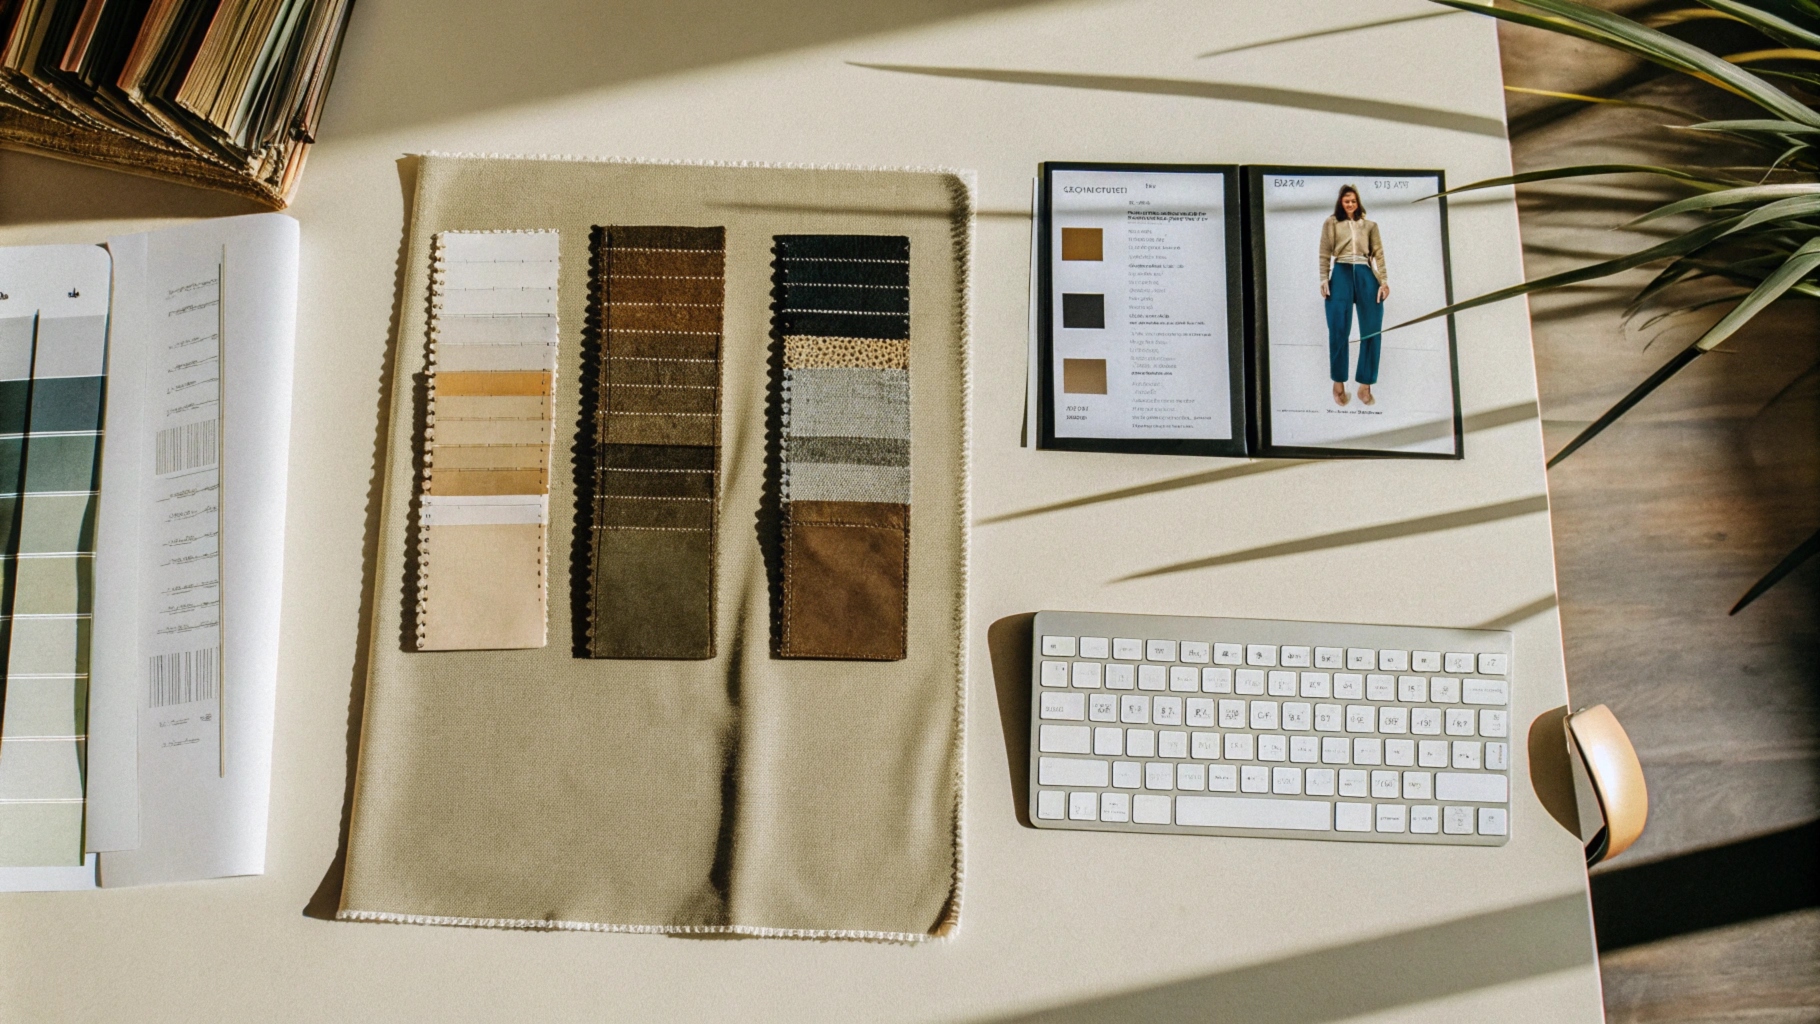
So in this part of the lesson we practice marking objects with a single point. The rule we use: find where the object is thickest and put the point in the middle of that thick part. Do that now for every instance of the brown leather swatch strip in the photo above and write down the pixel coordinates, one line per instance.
(846, 580)
(657, 294)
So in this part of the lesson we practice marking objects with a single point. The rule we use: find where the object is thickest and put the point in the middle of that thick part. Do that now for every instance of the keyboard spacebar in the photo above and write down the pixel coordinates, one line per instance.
(1240, 812)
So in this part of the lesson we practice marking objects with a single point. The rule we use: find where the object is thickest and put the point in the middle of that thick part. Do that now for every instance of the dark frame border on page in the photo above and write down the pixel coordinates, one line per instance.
(1232, 447)
(1259, 297)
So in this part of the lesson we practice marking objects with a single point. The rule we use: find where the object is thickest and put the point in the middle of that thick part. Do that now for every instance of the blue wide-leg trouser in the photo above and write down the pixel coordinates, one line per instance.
(1353, 284)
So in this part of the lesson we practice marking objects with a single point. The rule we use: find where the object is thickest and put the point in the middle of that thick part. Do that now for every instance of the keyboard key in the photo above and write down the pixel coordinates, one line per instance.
(1465, 755)
(1232, 714)
(1083, 806)
(1361, 659)
(1240, 746)
(1191, 776)
(1304, 749)
(1444, 690)
(1260, 654)
(1329, 657)
(1425, 819)
(1254, 779)
(1102, 707)
(1394, 721)
(1249, 681)
(1380, 687)
(1170, 743)
(1158, 775)
(1492, 820)
(1361, 718)
(1159, 650)
(1418, 785)
(1070, 771)
(1384, 785)
(1352, 817)
(1390, 817)
(1204, 745)
(1485, 691)
(1140, 742)
(1412, 689)
(1318, 781)
(1393, 661)
(1150, 810)
(1095, 646)
(1228, 654)
(1425, 721)
(1424, 661)
(1184, 680)
(1127, 649)
(1058, 646)
(1065, 739)
(1457, 821)
(1367, 750)
(1478, 788)
(1273, 747)
(1282, 684)
(1348, 685)
(1286, 781)
(1497, 756)
(1055, 673)
(1197, 652)
(1298, 716)
(1152, 677)
(1353, 782)
(1200, 711)
(1068, 707)
(1051, 804)
(1166, 711)
(1222, 778)
(1494, 665)
(1263, 714)
(1494, 723)
(1109, 741)
(1237, 812)
(1460, 662)
(1115, 807)
(1296, 657)
(1086, 675)
(1328, 717)
(1127, 774)
(1317, 684)
(1121, 677)
(1336, 750)
(1459, 723)
(1216, 680)
(1432, 753)
(1401, 753)
(1133, 710)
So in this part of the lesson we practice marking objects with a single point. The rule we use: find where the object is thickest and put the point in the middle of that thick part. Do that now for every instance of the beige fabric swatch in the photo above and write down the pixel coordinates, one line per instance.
(744, 794)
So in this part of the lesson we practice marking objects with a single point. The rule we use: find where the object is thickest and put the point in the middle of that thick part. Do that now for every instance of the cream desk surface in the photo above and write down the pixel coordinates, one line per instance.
(1054, 925)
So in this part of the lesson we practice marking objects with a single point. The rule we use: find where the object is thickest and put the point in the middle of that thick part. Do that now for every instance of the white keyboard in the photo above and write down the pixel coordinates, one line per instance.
(1259, 727)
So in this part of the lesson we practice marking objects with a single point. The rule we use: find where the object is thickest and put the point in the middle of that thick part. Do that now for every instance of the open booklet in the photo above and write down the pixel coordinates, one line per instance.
(144, 573)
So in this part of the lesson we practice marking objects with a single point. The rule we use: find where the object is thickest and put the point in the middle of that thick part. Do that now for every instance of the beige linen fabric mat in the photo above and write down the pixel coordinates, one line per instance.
(744, 794)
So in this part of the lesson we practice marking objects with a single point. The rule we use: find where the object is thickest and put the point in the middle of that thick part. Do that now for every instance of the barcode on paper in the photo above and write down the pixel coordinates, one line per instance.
(183, 677)
(190, 446)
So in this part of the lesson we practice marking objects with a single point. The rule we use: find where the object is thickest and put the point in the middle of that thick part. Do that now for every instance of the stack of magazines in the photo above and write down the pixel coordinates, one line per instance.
(225, 94)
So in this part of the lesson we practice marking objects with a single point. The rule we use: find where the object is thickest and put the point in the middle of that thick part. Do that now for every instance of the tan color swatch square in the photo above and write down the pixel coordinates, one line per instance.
(1084, 376)
(1083, 244)
(483, 588)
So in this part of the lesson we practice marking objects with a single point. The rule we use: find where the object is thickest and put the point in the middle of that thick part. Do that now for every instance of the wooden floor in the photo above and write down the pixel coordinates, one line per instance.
(1660, 525)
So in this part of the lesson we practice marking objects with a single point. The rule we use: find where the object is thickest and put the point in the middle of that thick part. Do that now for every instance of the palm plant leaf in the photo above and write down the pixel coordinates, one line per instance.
(1729, 197)
(1777, 53)
(1790, 562)
(1637, 394)
(1782, 209)
(1772, 25)
(1699, 178)
(1581, 98)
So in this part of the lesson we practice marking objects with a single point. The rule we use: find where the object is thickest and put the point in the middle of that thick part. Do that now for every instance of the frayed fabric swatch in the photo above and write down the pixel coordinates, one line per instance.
(843, 315)
(485, 508)
(657, 295)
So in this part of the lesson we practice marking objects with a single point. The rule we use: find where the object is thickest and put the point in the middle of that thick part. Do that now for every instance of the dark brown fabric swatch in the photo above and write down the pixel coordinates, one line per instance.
(846, 580)
(657, 297)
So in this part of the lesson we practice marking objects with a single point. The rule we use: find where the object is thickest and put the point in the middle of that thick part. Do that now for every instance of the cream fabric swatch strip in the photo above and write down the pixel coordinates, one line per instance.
(484, 513)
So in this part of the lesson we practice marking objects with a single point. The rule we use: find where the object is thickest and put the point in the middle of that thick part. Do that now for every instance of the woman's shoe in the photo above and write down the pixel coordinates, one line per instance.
(1340, 396)
(1365, 395)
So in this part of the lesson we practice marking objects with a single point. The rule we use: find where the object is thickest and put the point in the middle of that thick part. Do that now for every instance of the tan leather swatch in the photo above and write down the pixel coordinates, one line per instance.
(459, 482)
(493, 383)
(846, 580)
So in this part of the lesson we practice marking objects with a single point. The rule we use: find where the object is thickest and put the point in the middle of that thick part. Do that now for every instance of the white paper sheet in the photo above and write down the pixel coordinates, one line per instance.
(190, 549)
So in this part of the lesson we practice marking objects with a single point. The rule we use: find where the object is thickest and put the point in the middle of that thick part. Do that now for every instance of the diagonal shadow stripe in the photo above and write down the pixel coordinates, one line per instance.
(1516, 615)
(1371, 976)
(1502, 416)
(1342, 30)
(1362, 535)
(1379, 110)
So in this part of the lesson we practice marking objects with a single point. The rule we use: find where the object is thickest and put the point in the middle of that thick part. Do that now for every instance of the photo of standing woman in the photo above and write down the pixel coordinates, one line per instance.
(1353, 275)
